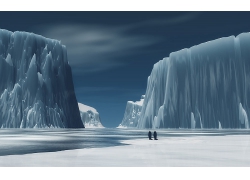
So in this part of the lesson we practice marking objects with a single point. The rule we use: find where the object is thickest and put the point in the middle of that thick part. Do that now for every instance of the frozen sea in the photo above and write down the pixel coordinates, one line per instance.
(106, 147)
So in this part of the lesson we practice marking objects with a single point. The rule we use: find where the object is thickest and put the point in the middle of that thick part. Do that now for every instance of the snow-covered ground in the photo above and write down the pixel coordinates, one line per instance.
(124, 148)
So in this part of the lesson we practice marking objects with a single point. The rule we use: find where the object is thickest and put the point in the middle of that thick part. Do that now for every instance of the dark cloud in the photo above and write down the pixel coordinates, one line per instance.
(93, 48)
(172, 20)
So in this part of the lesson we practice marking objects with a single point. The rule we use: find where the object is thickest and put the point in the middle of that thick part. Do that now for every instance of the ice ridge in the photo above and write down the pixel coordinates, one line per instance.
(205, 86)
(36, 87)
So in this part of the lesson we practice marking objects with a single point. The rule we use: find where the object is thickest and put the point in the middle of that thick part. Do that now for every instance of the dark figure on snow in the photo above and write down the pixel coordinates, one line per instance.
(149, 135)
(155, 135)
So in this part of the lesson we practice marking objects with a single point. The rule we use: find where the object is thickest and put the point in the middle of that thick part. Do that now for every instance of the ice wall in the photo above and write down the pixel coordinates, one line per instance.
(36, 87)
(205, 86)
(132, 114)
(90, 117)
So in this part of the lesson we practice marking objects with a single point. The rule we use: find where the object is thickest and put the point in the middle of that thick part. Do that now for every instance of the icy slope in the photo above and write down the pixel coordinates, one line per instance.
(90, 117)
(205, 86)
(36, 88)
(132, 113)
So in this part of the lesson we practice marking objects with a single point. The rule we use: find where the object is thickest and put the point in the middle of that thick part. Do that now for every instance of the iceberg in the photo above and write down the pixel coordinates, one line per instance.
(89, 116)
(132, 114)
(36, 87)
(205, 86)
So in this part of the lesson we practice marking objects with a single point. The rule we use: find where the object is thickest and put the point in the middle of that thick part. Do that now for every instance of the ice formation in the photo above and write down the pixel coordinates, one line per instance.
(90, 117)
(36, 87)
(132, 113)
(205, 86)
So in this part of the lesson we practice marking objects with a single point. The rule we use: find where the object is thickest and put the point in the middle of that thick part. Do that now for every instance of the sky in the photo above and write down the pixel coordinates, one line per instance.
(112, 53)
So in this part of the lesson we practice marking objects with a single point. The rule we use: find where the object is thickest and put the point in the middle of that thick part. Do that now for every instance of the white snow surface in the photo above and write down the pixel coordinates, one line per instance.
(140, 103)
(197, 150)
(85, 108)
(89, 116)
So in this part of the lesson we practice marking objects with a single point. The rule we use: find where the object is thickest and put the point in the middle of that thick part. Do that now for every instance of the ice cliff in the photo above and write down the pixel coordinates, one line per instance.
(205, 86)
(36, 87)
(90, 117)
(132, 113)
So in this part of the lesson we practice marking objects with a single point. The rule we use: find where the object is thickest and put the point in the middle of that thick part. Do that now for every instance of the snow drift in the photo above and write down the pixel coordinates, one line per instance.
(205, 86)
(90, 117)
(36, 87)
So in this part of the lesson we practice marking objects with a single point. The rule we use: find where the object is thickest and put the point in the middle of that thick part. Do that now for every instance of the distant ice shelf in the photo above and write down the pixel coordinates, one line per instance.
(205, 86)
(132, 114)
(36, 87)
(90, 117)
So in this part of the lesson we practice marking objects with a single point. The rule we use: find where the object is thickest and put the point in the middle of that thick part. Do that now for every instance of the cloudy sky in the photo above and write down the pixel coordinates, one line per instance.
(113, 53)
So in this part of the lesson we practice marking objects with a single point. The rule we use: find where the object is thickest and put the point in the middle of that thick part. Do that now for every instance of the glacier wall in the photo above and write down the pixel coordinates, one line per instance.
(205, 86)
(36, 87)
(89, 116)
(132, 113)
